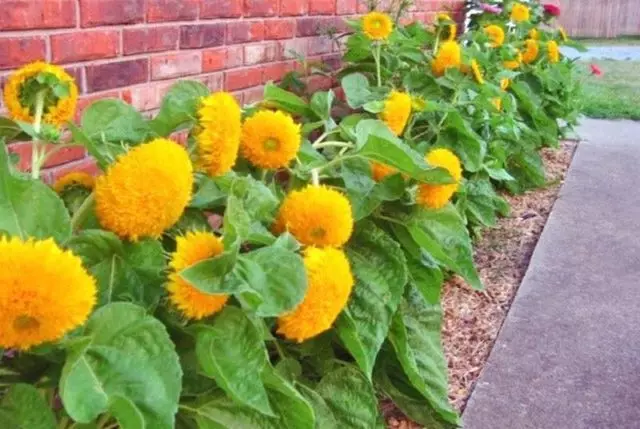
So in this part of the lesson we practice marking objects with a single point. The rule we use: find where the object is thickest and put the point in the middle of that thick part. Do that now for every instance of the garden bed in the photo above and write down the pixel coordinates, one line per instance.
(472, 319)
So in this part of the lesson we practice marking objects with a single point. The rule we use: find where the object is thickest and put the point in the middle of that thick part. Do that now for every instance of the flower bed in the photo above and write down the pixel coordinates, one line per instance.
(284, 268)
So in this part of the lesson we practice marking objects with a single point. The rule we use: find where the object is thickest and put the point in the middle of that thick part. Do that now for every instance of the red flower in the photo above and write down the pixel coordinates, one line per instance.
(552, 9)
(595, 70)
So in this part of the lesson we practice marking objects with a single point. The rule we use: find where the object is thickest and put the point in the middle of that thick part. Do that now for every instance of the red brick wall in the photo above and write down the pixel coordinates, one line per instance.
(136, 49)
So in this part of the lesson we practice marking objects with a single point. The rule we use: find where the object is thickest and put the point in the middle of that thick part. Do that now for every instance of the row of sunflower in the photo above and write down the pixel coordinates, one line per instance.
(283, 267)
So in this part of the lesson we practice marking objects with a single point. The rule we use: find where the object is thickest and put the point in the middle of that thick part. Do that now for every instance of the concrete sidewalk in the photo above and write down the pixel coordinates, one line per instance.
(631, 52)
(568, 356)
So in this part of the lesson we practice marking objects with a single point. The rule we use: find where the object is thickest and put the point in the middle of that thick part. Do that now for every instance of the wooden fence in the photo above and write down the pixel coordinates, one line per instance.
(601, 18)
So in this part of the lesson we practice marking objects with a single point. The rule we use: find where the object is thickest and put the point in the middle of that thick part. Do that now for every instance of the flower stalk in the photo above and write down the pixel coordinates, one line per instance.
(36, 156)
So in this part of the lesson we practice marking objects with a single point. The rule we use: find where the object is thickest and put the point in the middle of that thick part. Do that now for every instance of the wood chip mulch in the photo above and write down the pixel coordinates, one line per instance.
(472, 320)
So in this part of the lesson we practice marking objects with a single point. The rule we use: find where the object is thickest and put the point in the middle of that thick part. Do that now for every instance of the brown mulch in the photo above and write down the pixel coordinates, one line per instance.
(472, 320)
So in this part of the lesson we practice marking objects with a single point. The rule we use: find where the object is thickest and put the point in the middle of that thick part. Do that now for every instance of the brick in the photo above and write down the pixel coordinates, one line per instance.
(117, 74)
(253, 95)
(319, 45)
(313, 26)
(77, 75)
(152, 39)
(263, 53)
(62, 156)
(17, 51)
(31, 14)
(275, 72)
(84, 46)
(346, 7)
(201, 36)
(176, 65)
(245, 31)
(322, 7)
(87, 100)
(291, 49)
(294, 7)
(253, 8)
(222, 58)
(319, 83)
(143, 98)
(172, 10)
(221, 8)
(214, 82)
(94, 13)
(279, 29)
(87, 165)
(241, 79)
(333, 61)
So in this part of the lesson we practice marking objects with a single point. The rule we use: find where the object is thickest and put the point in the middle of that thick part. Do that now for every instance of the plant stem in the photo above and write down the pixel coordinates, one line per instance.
(315, 176)
(36, 157)
(332, 144)
(334, 162)
(81, 214)
(376, 56)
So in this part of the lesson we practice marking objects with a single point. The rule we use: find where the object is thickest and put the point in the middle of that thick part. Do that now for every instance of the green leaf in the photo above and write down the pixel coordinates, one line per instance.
(464, 141)
(351, 398)
(378, 144)
(356, 89)
(416, 339)
(443, 235)
(115, 121)
(324, 416)
(125, 365)
(321, 103)
(179, 107)
(24, 407)
(9, 130)
(294, 410)
(232, 352)
(29, 208)
(125, 271)
(103, 152)
(380, 269)
(285, 100)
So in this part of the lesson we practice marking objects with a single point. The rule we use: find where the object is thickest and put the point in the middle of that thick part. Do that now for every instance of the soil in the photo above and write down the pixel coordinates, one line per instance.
(472, 320)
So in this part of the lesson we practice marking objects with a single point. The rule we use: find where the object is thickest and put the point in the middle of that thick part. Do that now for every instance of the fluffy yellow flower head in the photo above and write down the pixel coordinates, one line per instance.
(270, 139)
(504, 84)
(219, 139)
(192, 248)
(477, 73)
(531, 51)
(146, 191)
(497, 103)
(57, 111)
(44, 292)
(316, 216)
(377, 26)
(519, 13)
(534, 34)
(76, 178)
(381, 171)
(329, 285)
(553, 51)
(495, 33)
(514, 63)
(437, 196)
(397, 110)
(448, 56)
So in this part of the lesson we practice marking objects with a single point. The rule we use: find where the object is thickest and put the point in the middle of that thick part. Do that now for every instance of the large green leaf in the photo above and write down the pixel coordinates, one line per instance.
(179, 107)
(125, 271)
(24, 407)
(285, 100)
(465, 142)
(10, 130)
(380, 269)
(324, 416)
(29, 208)
(351, 398)
(443, 234)
(103, 152)
(232, 352)
(115, 121)
(124, 364)
(415, 336)
(356, 89)
(376, 143)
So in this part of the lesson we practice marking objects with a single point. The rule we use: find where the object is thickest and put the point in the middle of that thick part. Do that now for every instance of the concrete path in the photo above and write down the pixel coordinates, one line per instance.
(630, 52)
(568, 356)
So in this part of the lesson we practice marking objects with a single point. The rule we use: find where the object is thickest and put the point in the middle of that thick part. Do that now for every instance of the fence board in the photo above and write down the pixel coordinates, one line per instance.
(601, 18)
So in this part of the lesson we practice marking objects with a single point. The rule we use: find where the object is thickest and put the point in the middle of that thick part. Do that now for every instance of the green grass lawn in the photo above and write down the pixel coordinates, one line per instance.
(615, 94)
(619, 41)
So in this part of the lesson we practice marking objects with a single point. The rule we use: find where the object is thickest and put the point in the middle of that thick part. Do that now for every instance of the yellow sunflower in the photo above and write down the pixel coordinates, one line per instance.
(437, 196)
(534, 34)
(316, 216)
(270, 139)
(553, 51)
(397, 110)
(192, 248)
(146, 191)
(497, 103)
(418, 103)
(519, 13)
(448, 56)
(76, 178)
(219, 139)
(504, 84)
(515, 62)
(477, 73)
(329, 285)
(377, 26)
(495, 33)
(563, 34)
(531, 51)
(57, 110)
(44, 292)
(381, 171)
